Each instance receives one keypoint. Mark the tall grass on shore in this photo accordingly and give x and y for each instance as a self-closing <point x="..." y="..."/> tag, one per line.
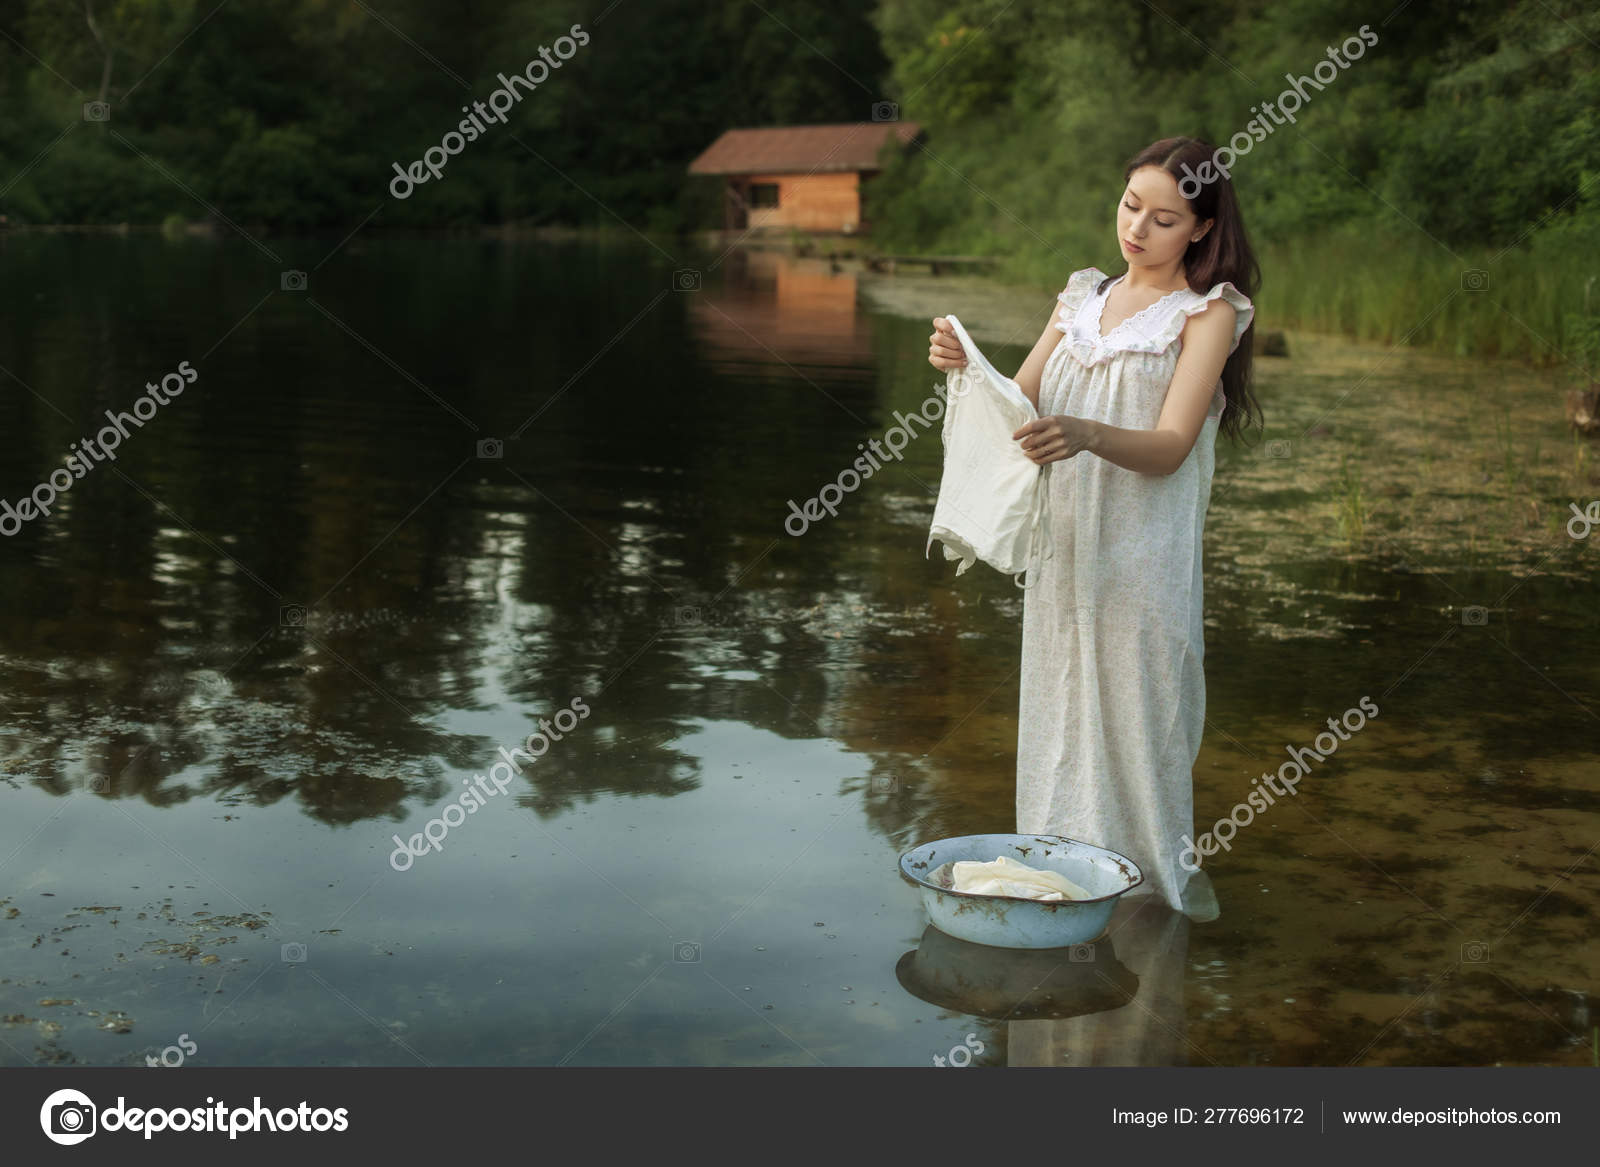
<point x="1535" y="302"/>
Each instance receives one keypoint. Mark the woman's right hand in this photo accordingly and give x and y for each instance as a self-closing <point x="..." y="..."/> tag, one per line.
<point x="944" y="350"/>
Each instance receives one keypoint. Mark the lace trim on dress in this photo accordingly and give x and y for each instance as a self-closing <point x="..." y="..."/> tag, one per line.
<point x="1132" y="323"/>
<point x="1137" y="333"/>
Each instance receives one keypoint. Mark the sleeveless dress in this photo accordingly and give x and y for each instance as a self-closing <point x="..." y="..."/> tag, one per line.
<point x="1113" y="693"/>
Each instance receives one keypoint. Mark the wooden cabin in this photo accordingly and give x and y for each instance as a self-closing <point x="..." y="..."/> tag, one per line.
<point x="803" y="178"/>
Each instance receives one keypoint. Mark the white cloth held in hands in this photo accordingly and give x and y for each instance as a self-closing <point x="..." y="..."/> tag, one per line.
<point x="993" y="498"/>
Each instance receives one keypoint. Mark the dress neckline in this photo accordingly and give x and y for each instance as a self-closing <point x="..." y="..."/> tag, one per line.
<point x="1105" y="299"/>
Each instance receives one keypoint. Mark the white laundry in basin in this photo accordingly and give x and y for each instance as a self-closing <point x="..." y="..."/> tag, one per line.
<point x="1007" y="877"/>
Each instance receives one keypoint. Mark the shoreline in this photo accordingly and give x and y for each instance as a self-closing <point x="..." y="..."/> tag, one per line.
<point x="1000" y="289"/>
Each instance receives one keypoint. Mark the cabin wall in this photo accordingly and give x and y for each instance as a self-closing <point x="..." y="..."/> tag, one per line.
<point x="809" y="202"/>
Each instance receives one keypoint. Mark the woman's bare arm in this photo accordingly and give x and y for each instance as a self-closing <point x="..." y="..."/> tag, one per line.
<point x="1162" y="450"/>
<point x="1206" y="337"/>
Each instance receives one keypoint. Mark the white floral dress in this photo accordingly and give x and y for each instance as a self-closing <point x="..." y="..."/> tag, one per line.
<point x="1113" y="685"/>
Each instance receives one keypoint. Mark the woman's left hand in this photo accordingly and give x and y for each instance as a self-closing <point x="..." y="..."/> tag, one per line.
<point x="1053" y="438"/>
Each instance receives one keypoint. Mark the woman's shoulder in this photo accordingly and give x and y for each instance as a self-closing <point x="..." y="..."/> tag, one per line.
<point x="1222" y="290"/>
<point x="1081" y="281"/>
<point x="1079" y="285"/>
<point x="1243" y="310"/>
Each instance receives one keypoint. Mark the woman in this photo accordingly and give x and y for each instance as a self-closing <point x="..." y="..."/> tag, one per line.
<point x="1139" y="372"/>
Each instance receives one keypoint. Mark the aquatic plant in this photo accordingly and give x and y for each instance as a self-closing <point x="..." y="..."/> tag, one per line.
<point x="1352" y="512"/>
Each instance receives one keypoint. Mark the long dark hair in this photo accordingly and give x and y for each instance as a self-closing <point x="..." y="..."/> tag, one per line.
<point x="1222" y="254"/>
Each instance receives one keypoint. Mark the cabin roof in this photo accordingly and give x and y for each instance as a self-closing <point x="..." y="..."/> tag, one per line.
<point x="802" y="149"/>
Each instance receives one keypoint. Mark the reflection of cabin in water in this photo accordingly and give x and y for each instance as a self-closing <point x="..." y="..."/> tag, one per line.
<point x="775" y="314"/>
<point x="806" y="178"/>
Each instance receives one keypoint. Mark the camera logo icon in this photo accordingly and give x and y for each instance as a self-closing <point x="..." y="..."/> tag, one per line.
<point x="67" y="1117"/>
<point x="1474" y="280"/>
<point x="884" y="784"/>
<point x="97" y="784"/>
<point x="491" y="448"/>
<point x="292" y="616"/>
<point x="1278" y="448"/>
<point x="293" y="953"/>
<point x="1081" y="954"/>
<point x="96" y="111"/>
<point x="686" y="279"/>
<point x="1474" y="952"/>
<point x="885" y="111"/>
<point x="686" y="952"/>
<point x="292" y="281"/>
<point x="1474" y="615"/>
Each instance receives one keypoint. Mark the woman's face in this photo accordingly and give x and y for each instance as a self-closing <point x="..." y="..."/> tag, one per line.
<point x="1155" y="223"/>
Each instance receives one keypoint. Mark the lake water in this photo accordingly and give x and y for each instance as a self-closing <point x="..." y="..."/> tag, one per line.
<point x="450" y="487"/>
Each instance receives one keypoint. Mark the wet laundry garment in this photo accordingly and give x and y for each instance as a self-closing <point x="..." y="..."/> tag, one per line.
<point x="992" y="496"/>
<point x="1113" y="688"/>
<point x="1007" y="877"/>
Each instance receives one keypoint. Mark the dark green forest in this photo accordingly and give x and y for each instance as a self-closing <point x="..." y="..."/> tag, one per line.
<point x="1472" y="120"/>
<point x="1463" y="139"/>
<point x="291" y="113"/>
<point x="1455" y="165"/>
